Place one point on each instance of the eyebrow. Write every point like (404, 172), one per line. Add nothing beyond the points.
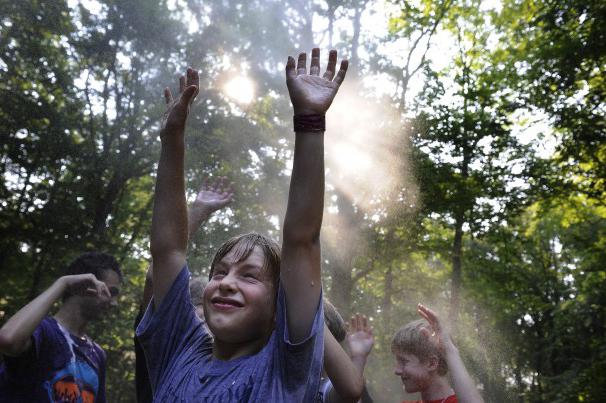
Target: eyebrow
(252, 266)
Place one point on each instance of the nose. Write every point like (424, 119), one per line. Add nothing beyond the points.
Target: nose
(227, 283)
(398, 370)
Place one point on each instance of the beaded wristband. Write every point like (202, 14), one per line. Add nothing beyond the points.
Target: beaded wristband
(309, 123)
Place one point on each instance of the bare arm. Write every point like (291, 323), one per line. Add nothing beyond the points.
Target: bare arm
(359, 341)
(463, 385)
(210, 198)
(347, 381)
(15, 335)
(300, 271)
(169, 232)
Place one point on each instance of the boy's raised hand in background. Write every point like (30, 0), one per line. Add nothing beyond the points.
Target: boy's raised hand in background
(212, 196)
(462, 383)
(436, 332)
(178, 108)
(359, 338)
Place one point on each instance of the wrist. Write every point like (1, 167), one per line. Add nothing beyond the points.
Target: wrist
(61, 284)
(199, 213)
(359, 359)
(309, 123)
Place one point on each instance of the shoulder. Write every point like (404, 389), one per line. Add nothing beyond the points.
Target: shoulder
(99, 350)
(48, 332)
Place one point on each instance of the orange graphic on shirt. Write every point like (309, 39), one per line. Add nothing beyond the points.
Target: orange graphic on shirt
(67, 390)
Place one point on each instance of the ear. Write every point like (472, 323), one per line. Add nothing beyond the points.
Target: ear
(433, 363)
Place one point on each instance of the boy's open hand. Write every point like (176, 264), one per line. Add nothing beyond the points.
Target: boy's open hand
(177, 108)
(359, 338)
(437, 332)
(311, 94)
(212, 196)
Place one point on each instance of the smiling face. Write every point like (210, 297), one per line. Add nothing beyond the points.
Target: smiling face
(239, 300)
(416, 375)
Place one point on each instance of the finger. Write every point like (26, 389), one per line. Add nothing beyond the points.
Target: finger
(168, 96)
(290, 68)
(193, 79)
(428, 313)
(314, 68)
(104, 291)
(230, 189)
(342, 71)
(302, 64)
(364, 323)
(196, 79)
(332, 65)
(188, 95)
(221, 187)
(181, 84)
(358, 321)
(189, 76)
(424, 315)
(217, 187)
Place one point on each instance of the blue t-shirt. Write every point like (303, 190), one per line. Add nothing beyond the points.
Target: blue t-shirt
(59, 367)
(178, 351)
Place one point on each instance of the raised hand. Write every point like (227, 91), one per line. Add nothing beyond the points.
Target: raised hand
(436, 332)
(178, 108)
(214, 196)
(210, 198)
(86, 285)
(311, 94)
(463, 385)
(359, 338)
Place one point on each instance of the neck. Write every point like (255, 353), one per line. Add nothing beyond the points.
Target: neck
(70, 317)
(225, 351)
(438, 389)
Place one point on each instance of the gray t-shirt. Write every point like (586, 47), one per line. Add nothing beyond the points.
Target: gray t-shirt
(178, 352)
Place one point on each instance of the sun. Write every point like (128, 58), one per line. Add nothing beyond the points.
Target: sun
(241, 89)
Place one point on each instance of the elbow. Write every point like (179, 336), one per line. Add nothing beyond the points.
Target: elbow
(352, 397)
(358, 390)
(161, 249)
(301, 235)
(353, 393)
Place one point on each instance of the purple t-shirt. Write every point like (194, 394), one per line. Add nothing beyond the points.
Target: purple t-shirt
(178, 351)
(59, 367)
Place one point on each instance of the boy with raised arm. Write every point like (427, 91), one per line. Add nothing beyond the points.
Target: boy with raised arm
(424, 356)
(261, 304)
(52, 358)
(211, 197)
